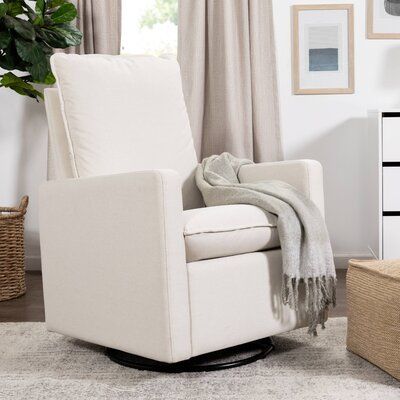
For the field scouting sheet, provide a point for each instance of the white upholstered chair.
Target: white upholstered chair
(131, 258)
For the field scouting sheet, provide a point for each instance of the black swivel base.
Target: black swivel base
(215, 361)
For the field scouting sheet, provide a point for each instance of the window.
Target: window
(149, 27)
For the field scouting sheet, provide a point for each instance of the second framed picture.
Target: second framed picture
(323, 49)
(383, 19)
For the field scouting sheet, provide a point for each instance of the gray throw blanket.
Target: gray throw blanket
(306, 250)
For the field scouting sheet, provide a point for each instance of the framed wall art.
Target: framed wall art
(383, 19)
(323, 49)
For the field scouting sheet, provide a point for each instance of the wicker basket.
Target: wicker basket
(12, 272)
(373, 297)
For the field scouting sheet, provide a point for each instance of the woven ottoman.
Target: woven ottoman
(373, 298)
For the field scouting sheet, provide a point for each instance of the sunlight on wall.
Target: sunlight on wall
(149, 27)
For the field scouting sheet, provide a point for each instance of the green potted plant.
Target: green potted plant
(29, 32)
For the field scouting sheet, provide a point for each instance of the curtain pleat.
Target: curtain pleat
(100, 23)
(227, 58)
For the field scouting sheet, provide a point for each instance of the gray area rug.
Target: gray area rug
(36, 364)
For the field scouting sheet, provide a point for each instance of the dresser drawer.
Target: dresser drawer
(391, 139)
(391, 237)
(391, 188)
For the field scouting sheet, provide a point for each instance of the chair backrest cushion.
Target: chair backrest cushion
(125, 113)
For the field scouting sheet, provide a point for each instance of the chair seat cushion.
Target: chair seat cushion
(222, 231)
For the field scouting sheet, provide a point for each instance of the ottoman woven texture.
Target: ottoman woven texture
(373, 297)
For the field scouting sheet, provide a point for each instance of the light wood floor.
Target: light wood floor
(30, 306)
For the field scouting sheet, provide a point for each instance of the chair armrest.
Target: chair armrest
(304, 175)
(113, 261)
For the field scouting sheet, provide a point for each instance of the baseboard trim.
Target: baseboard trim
(32, 263)
(342, 260)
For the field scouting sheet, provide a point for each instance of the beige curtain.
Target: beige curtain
(227, 57)
(100, 23)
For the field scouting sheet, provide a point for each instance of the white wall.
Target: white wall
(23, 158)
(331, 128)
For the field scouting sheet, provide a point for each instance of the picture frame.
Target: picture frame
(380, 24)
(323, 49)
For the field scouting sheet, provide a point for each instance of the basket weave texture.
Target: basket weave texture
(373, 297)
(12, 271)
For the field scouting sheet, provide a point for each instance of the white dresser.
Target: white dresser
(383, 180)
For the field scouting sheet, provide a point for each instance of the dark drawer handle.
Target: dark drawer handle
(391, 114)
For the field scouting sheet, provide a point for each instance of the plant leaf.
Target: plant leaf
(29, 31)
(50, 79)
(7, 62)
(5, 39)
(39, 71)
(15, 8)
(46, 49)
(3, 10)
(9, 80)
(61, 36)
(66, 13)
(22, 27)
(53, 39)
(10, 59)
(55, 3)
(39, 20)
(40, 9)
(40, 6)
(29, 51)
(27, 91)
(33, 53)
(72, 35)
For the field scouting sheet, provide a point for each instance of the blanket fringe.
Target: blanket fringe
(319, 293)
